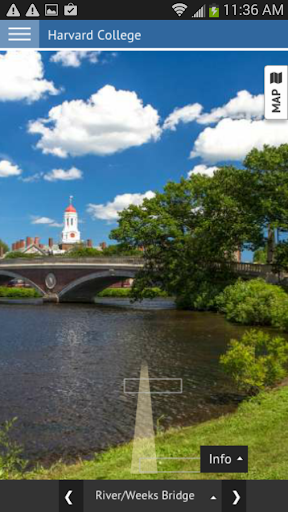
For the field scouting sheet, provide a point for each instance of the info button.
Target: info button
(224, 459)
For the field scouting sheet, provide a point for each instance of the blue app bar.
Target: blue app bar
(185, 34)
(164, 34)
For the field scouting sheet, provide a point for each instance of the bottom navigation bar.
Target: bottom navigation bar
(198, 496)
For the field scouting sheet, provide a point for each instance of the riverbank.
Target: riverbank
(127, 292)
(108, 293)
(21, 301)
(147, 304)
(260, 423)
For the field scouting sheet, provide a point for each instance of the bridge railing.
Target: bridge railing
(248, 269)
(251, 268)
(129, 260)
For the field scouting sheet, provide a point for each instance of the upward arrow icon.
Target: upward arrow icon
(239, 458)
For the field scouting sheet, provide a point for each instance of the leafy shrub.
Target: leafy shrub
(121, 250)
(111, 251)
(202, 297)
(18, 254)
(11, 462)
(18, 293)
(83, 252)
(255, 302)
(256, 361)
(127, 292)
(115, 292)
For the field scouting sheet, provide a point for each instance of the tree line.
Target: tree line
(192, 229)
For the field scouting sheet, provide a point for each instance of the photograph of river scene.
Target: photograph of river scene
(143, 266)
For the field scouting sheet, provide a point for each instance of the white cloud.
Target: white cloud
(7, 169)
(33, 178)
(56, 225)
(55, 175)
(202, 169)
(108, 122)
(233, 139)
(185, 115)
(41, 220)
(45, 221)
(71, 58)
(60, 174)
(243, 106)
(110, 210)
(22, 77)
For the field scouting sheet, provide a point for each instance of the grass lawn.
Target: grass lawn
(262, 424)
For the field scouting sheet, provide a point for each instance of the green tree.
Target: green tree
(260, 256)
(281, 257)
(191, 231)
(4, 246)
(270, 168)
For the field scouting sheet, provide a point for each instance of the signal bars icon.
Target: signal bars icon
(201, 13)
(179, 8)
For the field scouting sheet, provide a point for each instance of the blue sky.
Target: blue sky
(164, 80)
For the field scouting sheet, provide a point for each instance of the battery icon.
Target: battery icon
(213, 11)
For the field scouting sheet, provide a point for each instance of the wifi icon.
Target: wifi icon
(179, 8)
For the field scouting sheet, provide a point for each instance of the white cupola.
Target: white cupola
(70, 233)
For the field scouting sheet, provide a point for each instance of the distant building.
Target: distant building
(238, 256)
(70, 237)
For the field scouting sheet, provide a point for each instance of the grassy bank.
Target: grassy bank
(18, 293)
(126, 293)
(260, 423)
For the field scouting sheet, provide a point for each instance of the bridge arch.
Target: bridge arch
(6, 276)
(87, 287)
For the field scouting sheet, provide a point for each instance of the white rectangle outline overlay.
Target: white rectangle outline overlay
(167, 458)
(154, 392)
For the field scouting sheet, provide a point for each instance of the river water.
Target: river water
(62, 369)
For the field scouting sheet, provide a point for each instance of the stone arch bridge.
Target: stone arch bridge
(69, 280)
(79, 280)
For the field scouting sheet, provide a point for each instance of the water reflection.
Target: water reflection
(62, 370)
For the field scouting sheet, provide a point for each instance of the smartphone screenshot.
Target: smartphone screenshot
(143, 256)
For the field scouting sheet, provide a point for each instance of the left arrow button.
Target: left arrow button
(71, 495)
(67, 497)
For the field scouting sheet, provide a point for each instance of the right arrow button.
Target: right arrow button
(237, 498)
(234, 496)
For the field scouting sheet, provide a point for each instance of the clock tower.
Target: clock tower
(70, 233)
